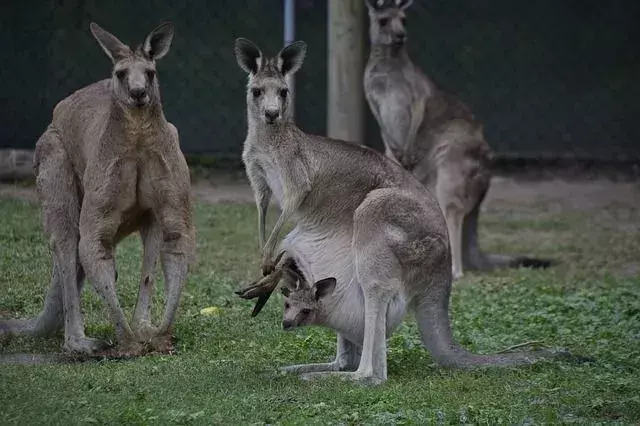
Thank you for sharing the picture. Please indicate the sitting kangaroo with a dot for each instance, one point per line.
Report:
(433, 135)
(110, 164)
(360, 219)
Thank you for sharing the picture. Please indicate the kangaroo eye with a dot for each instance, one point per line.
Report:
(383, 22)
(121, 74)
(403, 20)
(286, 305)
(151, 74)
(284, 93)
(256, 92)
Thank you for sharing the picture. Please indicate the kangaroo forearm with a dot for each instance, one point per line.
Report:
(269, 247)
(262, 220)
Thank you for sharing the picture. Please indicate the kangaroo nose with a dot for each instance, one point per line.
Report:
(138, 93)
(287, 324)
(271, 115)
(399, 37)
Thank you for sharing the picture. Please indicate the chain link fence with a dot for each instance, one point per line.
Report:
(549, 78)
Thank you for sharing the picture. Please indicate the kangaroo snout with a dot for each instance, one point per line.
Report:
(271, 115)
(399, 37)
(139, 95)
(287, 324)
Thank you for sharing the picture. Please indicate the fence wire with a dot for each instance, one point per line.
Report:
(545, 77)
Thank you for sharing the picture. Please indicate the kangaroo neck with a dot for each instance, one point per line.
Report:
(138, 117)
(275, 133)
(394, 52)
(139, 125)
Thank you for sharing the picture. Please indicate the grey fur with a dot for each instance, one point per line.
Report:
(433, 135)
(359, 218)
(110, 164)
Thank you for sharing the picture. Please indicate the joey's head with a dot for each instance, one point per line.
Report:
(267, 91)
(386, 21)
(303, 302)
(133, 82)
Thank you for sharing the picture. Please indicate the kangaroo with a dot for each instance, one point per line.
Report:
(360, 219)
(110, 164)
(433, 135)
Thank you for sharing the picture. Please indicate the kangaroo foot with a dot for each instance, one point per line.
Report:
(84, 345)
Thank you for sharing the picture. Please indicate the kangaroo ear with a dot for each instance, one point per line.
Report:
(324, 287)
(114, 48)
(290, 58)
(158, 42)
(403, 4)
(286, 291)
(378, 4)
(248, 55)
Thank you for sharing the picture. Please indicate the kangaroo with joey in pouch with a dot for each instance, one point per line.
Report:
(371, 237)
(431, 134)
(108, 165)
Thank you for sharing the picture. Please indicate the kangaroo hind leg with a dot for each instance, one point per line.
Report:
(60, 201)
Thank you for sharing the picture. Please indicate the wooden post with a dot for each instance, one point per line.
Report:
(345, 97)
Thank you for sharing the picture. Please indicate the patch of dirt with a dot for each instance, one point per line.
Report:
(162, 345)
(21, 192)
(223, 189)
(593, 194)
(568, 195)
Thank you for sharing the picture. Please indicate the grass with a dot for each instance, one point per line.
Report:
(225, 370)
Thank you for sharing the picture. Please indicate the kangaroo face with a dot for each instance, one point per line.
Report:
(303, 302)
(133, 82)
(267, 91)
(268, 97)
(387, 21)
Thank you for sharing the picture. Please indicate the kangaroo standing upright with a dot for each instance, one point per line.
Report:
(432, 134)
(110, 164)
(373, 233)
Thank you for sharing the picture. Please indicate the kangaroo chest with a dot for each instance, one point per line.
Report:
(274, 180)
(129, 185)
(395, 100)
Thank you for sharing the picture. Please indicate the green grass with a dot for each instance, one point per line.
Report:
(225, 369)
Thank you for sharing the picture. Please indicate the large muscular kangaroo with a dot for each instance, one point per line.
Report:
(433, 135)
(110, 164)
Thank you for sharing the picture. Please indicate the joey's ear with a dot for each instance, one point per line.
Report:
(403, 4)
(248, 55)
(324, 287)
(286, 291)
(290, 58)
(158, 42)
(114, 48)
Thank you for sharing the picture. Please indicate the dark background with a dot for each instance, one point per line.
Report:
(548, 78)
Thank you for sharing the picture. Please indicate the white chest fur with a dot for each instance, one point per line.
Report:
(274, 180)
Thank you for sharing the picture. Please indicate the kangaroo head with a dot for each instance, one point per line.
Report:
(134, 83)
(386, 21)
(302, 304)
(267, 91)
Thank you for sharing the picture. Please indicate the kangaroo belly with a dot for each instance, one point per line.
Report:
(328, 253)
(321, 253)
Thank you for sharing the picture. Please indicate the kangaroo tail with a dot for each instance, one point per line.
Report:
(490, 261)
(432, 316)
(50, 319)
